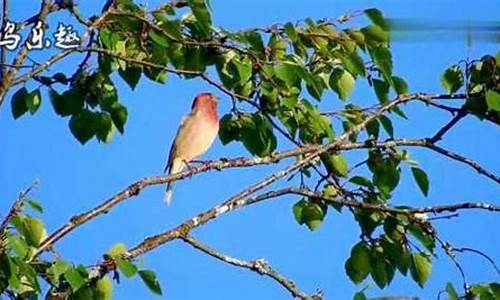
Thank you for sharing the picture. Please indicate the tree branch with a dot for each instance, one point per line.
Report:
(3, 54)
(20, 57)
(260, 266)
(14, 209)
(135, 188)
(464, 160)
(441, 132)
(152, 242)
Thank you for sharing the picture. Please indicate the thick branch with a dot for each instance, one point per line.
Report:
(136, 187)
(260, 266)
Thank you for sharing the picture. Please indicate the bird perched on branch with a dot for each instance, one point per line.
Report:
(195, 135)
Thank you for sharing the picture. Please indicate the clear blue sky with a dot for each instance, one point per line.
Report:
(75, 178)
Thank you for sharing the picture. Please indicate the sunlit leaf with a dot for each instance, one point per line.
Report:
(452, 79)
(420, 268)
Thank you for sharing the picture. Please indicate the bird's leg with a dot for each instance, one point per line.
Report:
(202, 162)
(189, 167)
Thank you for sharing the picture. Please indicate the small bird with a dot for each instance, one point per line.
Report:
(195, 135)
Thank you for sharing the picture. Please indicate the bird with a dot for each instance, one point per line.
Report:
(197, 131)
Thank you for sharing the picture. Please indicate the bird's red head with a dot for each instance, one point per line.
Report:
(205, 101)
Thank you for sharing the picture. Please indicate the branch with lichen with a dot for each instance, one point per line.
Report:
(261, 266)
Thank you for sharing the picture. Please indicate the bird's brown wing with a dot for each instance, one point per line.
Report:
(172, 148)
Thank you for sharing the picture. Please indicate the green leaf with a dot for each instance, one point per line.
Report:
(493, 100)
(33, 101)
(70, 102)
(155, 74)
(277, 46)
(35, 205)
(149, 278)
(342, 82)
(117, 250)
(34, 230)
(421, 179)
(377, 18)
(387, 124)
(255, 40)
(383, 59)
(309, 213)
(83, 125)
(353, 63)
(229, 129)
(398, 111)
(420, 268)
(57, 269)
(400, 85)
(131, 75)
(104, 131)
(495, 288)
(336, 164)
(452, 293)
(288, 73)
(158, 38)
(200, 11)
(297, 209)
(313, 215)
(379, 271)
(108, 38)
(19, 245)
(386, 174)
(381, 90)
(173, 28)
(19, 102)
(291, 32)
(74, 278)
(119, 116)
(420, 234)
(373, 129)
(313, 127)
(126, 267)
(359, 296)
(452, 79)
(257, 135)
(375, 35)
(104, 289)
(358, 266)
(362, 181)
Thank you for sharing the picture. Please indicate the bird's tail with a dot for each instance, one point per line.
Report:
(175, 167)
(168, 193)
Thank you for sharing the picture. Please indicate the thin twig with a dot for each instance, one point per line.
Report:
(15, 207)
(260, 266)
(488, 258)
(447, 248)
(441, 132)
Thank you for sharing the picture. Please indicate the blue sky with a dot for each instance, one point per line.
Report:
(75, 178)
